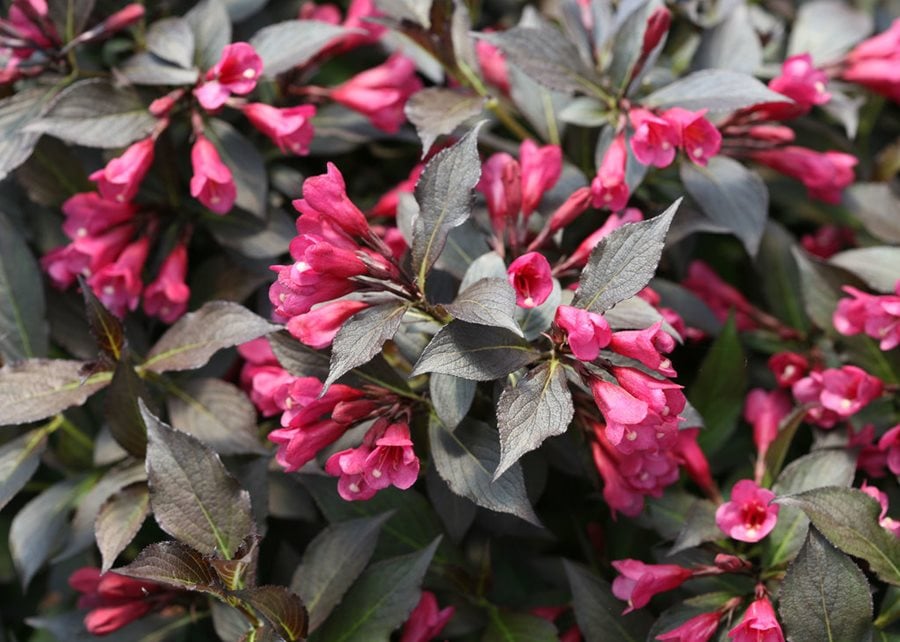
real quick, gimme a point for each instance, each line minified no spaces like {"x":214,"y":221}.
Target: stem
{"x":72,"y":430}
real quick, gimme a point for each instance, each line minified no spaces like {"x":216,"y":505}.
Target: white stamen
{"x":109,"y":290}
{"x":249,"y":73}
{"x":354,"y":488}
{"x":376,"y":474}
{"x":631,"y":436}
{"x":698,"y":152}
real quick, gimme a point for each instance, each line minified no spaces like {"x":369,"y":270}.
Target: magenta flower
{"x":531,"y":278}
{"x":212,"y":183}
{"x":890,"y":443}
{"x":876,"y":316}
{"x":699,"y":628}
{"x":167,"y":296}
{"x":825,"y":175}
{"x":118,"y":285}
{"x":881,"y":497}
{"x":655,"y":140}
{"x":637,"y":582}
{"x":759,"y":624}
{"x":501,"y":184}
{"x":85,"y":255}
{"x":647,"y":346}
{"x":114,"y":600}
{"x":721,"y":297}
{"x":121,"y":178}
{"x":619,"y":495}
{"x":426,"y":622}
{"x":326,"y":195}
{"x":836,"y":393}
{"x":88,"y":214}
{"x":764,"y":411}
{"x":614,"y":222}
{"x":827,"y":240}
{"x":540,"y":170}
{"x":237,"y":72}
{"x":608,"y":187}
{"x":696,"y":135}
{"x":289,"y":128}
{"x":493,"y":65}
{"x":875,"y":63}
{"x":318,"y":327}
{"x":586,"y":332}
{"x":801,"y":82}
{"x":748,"y":516}
{"x":788,"y":368}
{"x":571,"y":209}
{"x":380,"y":93}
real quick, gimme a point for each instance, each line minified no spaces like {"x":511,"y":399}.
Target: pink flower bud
{"x":637,"y":582}
{"x":657,"y":27}
{"x":326,"y":194}
{"x":697,"y":136}
{"x":748,"y":516}
{"x":825,"y":175}
{"x":655,"y":139}
{"x":874,"y":63}
{"x":699,"y":628}
{"x":571,"y":209}
{"x":289,"y":128}
{"x":87,"y":214}
{"x":788,"y":368}
{"x":114,"y":600}
{"x":426,"y":622}
{"x":212,"y":183}
{"x":647,"y":346}
{"x":772,"y":133}
{"x":501,"y":184}
{"x":608,"y":187}
{"x":167,"y":296}
{"x":381,"y":93}
{"x":586,"y":332}
{"x":759,"y":624}
{"x":828,"y":240}
{"x":237,"y":72}
{"x":121,"y":178}
{"x":721,"y":297}
{"x":692,"y":457}
{"x":118,"y":285}
{"x":493,"y":65}
{"x":764,"y":411}
{"x":318,"y":327}
{"x":123,"y":18}
{"x":531,"y":278}
{"x":541,"y":168}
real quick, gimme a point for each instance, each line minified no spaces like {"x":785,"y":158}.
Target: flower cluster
{"x":876,"y":316}
{"x":114,"y":600}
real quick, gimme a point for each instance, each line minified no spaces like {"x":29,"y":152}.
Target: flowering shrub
{"x":450,"y":321}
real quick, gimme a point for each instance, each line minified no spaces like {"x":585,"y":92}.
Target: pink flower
{"x":689,"y":455}
{"x":748,"y":516}
{"x":788,"y":368}
{"x":426,"y":622}
{"x":237,"y":72}
{"x":875,"y":63}
{"x":608,"y":187}
{"x":120,"y":179}
{"x":118,"y":285}
{"x":837,"y":393}
{"x":655,"y":139}
{"x":764,"y":411}
{"x":167,"y":296}
{"x":657,"y":27}
{"x":531,"y":279}
{"x":212,"y":183}
{"x":85,"y":255}
{"x":641,"y":414}
{"x":114,"y":600}
{"x":615,"y":221}
{"x":385,"y":458}
{"x":883,"y":520}
{"x":586,"y":332}
{"x":696,"y":135}
{"x":801,"y":82}
{"x":87,"y":214}
{"x":364,"y":32}
{"x":647,"y":346}
{"x":890,"y":443}
{"x":637,"y":582}
{"x":758,"y":625}
{"x":619,"y":495}
{"x":387,"y":204}
{"x":493,"y":65}
{"x":699,"y":628}
{"x":877,"y":316}
{"x":122,"y":19}
{"x":290,"y":128}
{"x":326,"y":195}
{"x":381,"y":93}
{"x":825,"y":175}
{"x":721,"y":297}
{"x":571,"y":209}
{"x":318,"y":327}
{"x":501,"y":184}
{"x":828,"y":240}
{"x":541,"y":168}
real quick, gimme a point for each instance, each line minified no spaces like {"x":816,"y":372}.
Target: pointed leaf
{"x":106,"y":329}
{"x":599,"y":613}
{"x":362,"y":336}
{"x":197,"y":336}
{"x":467,"y":458}
{"x":16,"y":112}
{"x":437,"y":111}
{"x":874,"y":205}
{"x":23,"y":329}
{"x":122,"y":413}
{"x":193,"y":497}
{"x":172,"y":39}
{"x":476,"y":352}
{"x":713,"y":89}
{"x":285,"y":45}
{"x":877,"y":266}
{"x":212,"y":31}
{"x":146,"y":69}
{"x":827,"y":29}
{"x":451,"y":397}
{"x":824,"y":595}
{"x":119,"y":520}
{"x":19,"y":458}
{"x":456,"y":513}
{"x":487,"y":302}
{"x":538,"y":406}
{"x":699,"y":527}
{"x":281,"y":608}
{"x":623,"y":262}
{"x":173,"y":564}
{"x":38,"y":388}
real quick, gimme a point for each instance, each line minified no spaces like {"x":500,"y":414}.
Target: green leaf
{"x":19,"y":458}
{"x":197,"y":336}
{"x":172,"y":40}
{"x":467,"y":458}
{"x":212,"y":31}
{"x":827,"y":29}
{"x":779,"y":275}
{"x":713,"y":89}
{"x":437,"y":111}
{"x":519,"y":627}
{"x":451,"y":397}
{"x":848,"y":518}
{"x":121,"y":405}
{"x":281,"y":608}
{"x":119,"y":520}
{"x":476,"y":352}
{"x":16,"y":112}
{"x":718,"y":391}
{"x":193,"y":497}
{"x":537,"y":407}
{"x":778,"y":449}
{"x":876,"y":265}
{"x":285,"y":45}
{"x":599,"y":613}
{"x":362,"y":336}
{"x":146,"y":69}
{"x":34,"y":389}
{"x":824,"y":595}
{"x":487,"y":302}
{"x":332,"y":562}
{"x":23,"y":329}
{"x":174,"y":564}
{"x":623,"y":262}
{"x":874,"y":204}
{"x":380,"y":601}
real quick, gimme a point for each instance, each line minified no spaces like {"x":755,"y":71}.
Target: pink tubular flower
{"x":87,"y":214}
{"x":788,"y":368}
{"x":825,"y":175}
{"x":759,"y":624}
{"x":615,"y":221}
{"x":617,"y":492}
{"x":877,"y":316}
{"x":836,"y":393}
{"x":501,"y":184}
{"x":721,"y":297}
{"x":426,"y":622}
{"x":657,"y":27}
{"x":326,"y":195}
{"x":167,"y":296}
{"x":118,"y":285}
{"x":541,"y":168}
{"x":608,"y":187}
{"x":212,"y":183}
{"x":748,"y":516}
{"x":699,"y":628}
{"x":571,"y":209}
{"x":647,"y":346}
{"x":120,"y":179}
{"x":85,"y":255}
{"x":237,"y":72}
{"x":801,"y":82}
{"x":696,"y":135}
{"x":385,"y":458}
{"x":114,"y":600}
{"x":387,"y":204}
{"x":493,"y":65}
{"x":262,"y":376}
{"x":655,"y":139}
{"x":381,"y":93}
{"x":890,"y":443}
{"x":586,"y":332}
{"x":764,"y":411}
{"x":531,"y":278}
{"x":318,"y":327}
{"x":689,"y":455}
{"x":637,"y":582}
{"x":289,"y":128}
{"x":875,"y":63}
